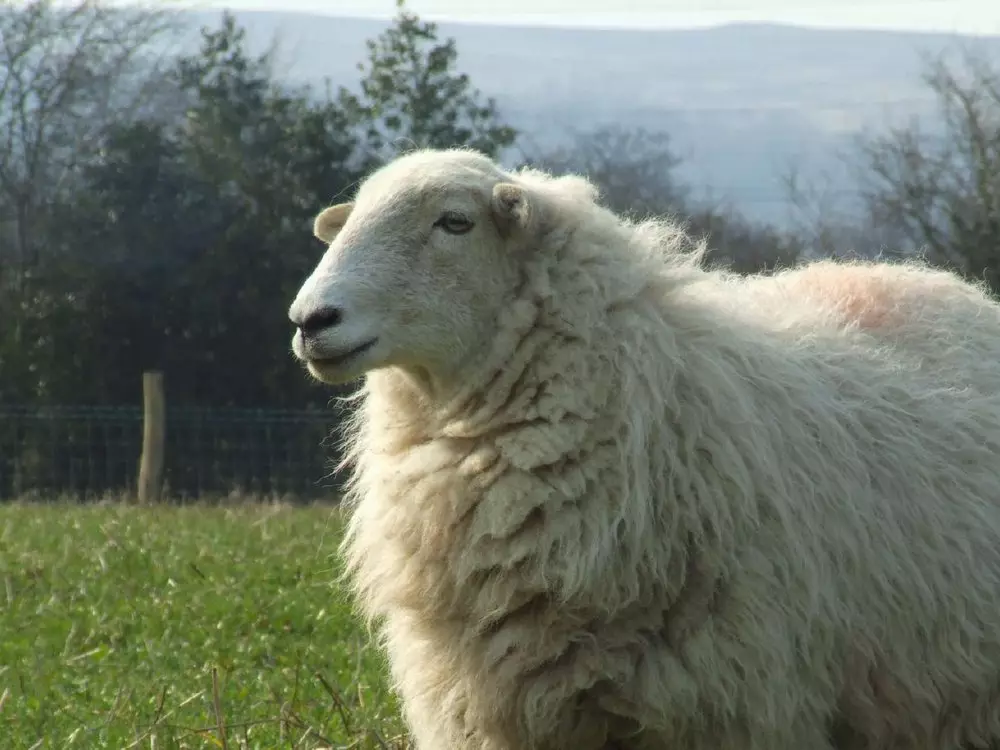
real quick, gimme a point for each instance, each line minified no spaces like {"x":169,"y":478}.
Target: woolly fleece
{"x":669,"y":507}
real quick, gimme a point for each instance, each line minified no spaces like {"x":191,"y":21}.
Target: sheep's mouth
{"x":338,"y":360}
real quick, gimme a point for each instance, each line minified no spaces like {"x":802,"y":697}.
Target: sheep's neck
{"x":535,"y":420}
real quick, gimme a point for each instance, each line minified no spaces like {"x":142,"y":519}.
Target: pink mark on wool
{"x":857,"y":295}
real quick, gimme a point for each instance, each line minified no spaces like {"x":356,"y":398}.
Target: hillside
{"x":741,"y":101}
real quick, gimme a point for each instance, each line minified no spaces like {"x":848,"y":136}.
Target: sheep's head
{"x":418,"y":267}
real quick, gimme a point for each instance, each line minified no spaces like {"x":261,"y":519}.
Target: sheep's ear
{"x":330,"y":221}
{"x":511,"y":206}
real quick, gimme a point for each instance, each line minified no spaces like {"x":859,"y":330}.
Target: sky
{"x":962,"y":16}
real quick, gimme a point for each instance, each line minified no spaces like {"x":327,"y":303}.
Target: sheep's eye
{"x":454,"y":223}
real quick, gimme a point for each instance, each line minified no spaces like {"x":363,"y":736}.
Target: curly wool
{"x":679,"y":508}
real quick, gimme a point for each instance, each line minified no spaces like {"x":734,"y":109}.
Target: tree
{"x":410,"y":95}
{"x":742,"y":245}
{"x":174,"y":236}
{"x":183,"y":234}
{"x":179,"y":239}
{"x":634,"y":169}
{"x":65,"y":74}
{"x":207,"y":258}
{"x":938,"y":193}
{"x":283,"y":150}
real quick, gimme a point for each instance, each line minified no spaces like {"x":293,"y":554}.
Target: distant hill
{"x":741,"y":101}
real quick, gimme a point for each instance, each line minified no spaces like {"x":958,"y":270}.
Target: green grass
{"x":168,"y":627}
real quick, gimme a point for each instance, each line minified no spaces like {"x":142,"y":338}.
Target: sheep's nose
{"x":318,"y":320}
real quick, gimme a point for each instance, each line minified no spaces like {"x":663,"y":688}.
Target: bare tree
{"x":940,"y":191}
{"x":742,"y":245}
{"x":635,"y":171}
{"x":929,"y":189}
{"x":66,"y":72}
{"x":634,"y":168}
{"x":833,"y":221}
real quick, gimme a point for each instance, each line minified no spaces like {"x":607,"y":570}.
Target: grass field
{"x":182,"y":627}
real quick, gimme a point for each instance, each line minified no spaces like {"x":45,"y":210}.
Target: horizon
{"x":963,"y":17}
{"x":966,"y":17}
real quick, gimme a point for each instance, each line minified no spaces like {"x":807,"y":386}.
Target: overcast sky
{"x":968,"y":16}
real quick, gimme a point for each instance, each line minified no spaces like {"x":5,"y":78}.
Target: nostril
{"x":325,"y":317}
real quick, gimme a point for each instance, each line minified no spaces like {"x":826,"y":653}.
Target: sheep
{"x":602,"y":495}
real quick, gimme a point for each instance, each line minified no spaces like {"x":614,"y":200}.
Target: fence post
{"x":153,"y":433}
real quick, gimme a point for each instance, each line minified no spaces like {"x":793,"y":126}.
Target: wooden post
{"x":153,"y":433}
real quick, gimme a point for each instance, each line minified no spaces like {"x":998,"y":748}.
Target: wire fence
{"x":91,"y":452}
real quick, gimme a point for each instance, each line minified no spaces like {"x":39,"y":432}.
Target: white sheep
{"x":602,"y":496}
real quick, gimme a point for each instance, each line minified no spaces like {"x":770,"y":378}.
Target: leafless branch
{"x":66,"y":72}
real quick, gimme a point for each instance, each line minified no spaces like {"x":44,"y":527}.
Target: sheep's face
{"x":417,"y":269}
